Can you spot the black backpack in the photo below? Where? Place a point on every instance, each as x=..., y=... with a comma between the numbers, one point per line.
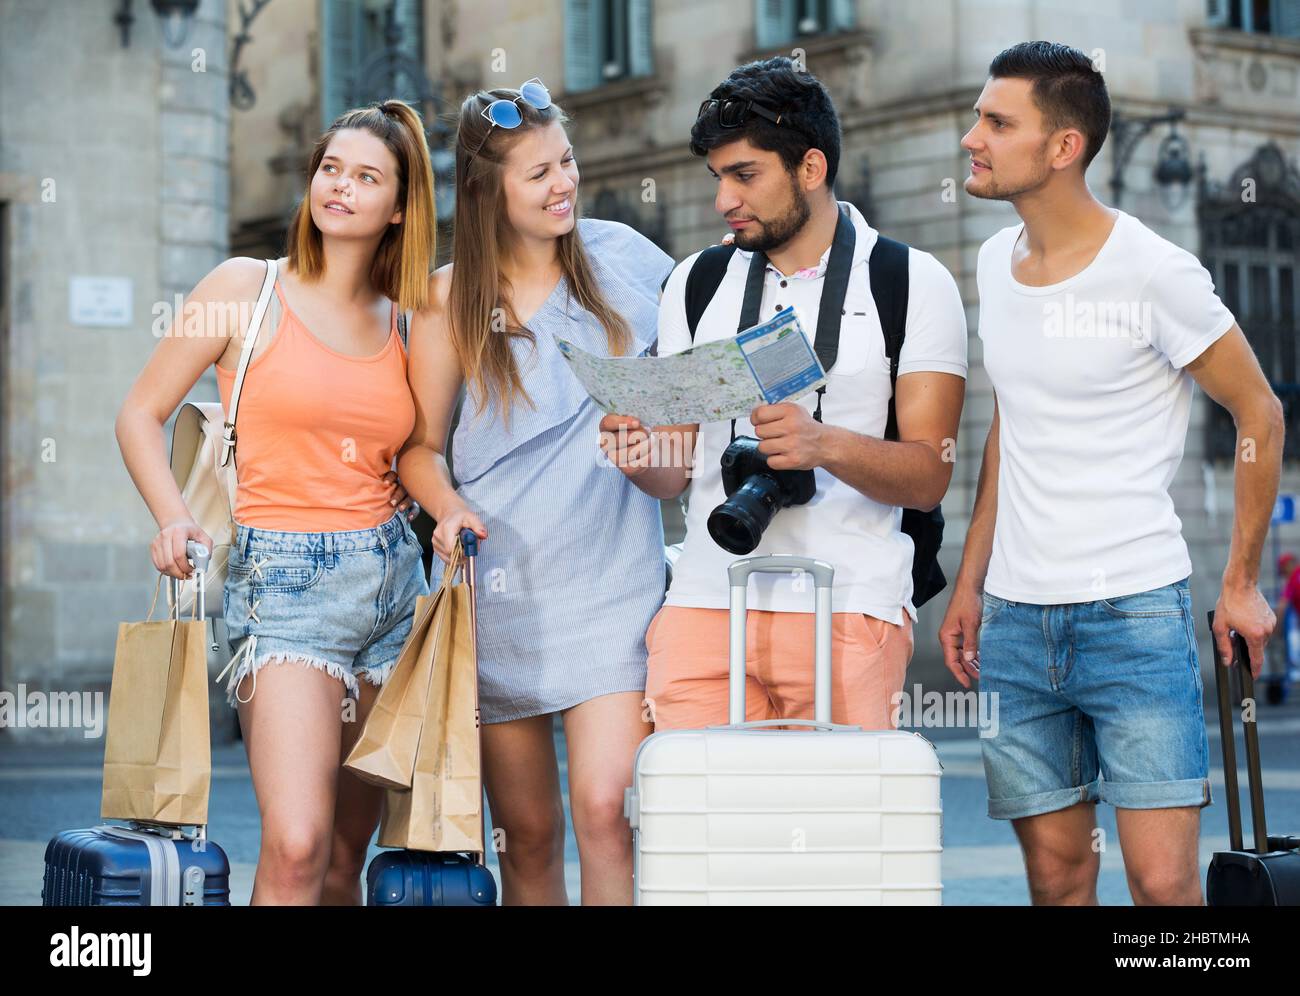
x=889, y=287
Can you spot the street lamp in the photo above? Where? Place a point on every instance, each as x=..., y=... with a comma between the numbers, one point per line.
x=176, y=17
x=1173, y=172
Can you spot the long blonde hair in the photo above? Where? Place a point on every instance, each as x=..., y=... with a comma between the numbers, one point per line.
x=482, y=230
x=400, y=270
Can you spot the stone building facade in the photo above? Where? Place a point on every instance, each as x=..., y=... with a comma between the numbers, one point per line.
x=158, y=177
x=114, y=197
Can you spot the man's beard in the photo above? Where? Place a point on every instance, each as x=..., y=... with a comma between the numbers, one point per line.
x=776, y=233
x=993, y=192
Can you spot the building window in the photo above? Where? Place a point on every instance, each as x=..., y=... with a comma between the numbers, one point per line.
x=1252, y=250
x=780, y=22
x=606, y=40
x=357, y=53
x=1262, y=17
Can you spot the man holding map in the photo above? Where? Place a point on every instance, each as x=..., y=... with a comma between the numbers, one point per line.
x=825, y=474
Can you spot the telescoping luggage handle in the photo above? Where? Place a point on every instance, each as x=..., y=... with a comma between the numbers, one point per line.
x=469, y=543
x=1241, y=660
x=200, y=556
x=782, y=563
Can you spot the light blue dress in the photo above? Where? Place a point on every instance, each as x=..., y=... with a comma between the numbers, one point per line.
x=572, y=570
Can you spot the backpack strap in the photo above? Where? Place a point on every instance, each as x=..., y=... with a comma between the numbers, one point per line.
x=245, y=355
x=703, y=282
x=887, y=268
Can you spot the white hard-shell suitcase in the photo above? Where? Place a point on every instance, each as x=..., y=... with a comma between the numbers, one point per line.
x=742, y=815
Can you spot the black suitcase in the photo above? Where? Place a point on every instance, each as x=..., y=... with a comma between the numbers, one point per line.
x=140, y=865
x=1269, y=873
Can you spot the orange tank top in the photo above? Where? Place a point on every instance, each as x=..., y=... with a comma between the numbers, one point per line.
x=317, y=431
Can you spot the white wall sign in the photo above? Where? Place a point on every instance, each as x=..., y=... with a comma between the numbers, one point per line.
x=102, y=301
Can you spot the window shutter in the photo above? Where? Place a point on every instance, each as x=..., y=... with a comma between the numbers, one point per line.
x=641, y=38
x=1217, y=13
x=582, y=62
x=774, y=22
x=844, y=14
x=1286, y=18
x=410, y=17
x=342, y=28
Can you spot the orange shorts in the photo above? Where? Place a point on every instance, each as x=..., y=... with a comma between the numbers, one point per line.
x=687, y=670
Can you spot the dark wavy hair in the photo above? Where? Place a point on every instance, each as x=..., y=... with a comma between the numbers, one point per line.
x=808, y=118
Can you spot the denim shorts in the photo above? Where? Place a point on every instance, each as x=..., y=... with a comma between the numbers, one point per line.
x=339, y=601
x=1096, y=700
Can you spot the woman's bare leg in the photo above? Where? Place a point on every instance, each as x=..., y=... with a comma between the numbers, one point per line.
x=603, y=734
x=522, y=778
x=291, y=730
x=356, y=814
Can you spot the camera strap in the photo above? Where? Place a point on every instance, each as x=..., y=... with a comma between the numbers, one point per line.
x=835, y=287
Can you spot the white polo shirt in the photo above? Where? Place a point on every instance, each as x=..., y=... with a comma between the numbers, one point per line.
x=860, y=537
x=1093, y=404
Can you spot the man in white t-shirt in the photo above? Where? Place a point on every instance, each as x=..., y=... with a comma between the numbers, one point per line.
x=1072, y=604
x=772, y=139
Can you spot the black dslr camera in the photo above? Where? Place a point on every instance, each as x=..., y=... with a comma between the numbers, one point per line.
x=755, y=493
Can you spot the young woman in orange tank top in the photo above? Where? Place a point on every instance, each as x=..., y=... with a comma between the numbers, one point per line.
x=325, y=569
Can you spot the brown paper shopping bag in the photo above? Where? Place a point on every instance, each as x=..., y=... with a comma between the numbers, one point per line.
x=443, y=808
x=384, y=753
x=157, y=752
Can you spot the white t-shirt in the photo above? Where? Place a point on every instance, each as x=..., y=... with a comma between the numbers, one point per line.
x=859, y=537
x=1093, y=404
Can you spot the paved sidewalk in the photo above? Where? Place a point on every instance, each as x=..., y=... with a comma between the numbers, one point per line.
x=49, y=788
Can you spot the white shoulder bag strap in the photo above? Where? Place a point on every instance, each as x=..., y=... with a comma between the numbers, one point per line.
x=245, y=355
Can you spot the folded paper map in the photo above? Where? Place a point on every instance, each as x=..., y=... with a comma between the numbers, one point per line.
x=766, y=364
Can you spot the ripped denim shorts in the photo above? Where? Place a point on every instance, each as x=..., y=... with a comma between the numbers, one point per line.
x=339, y=601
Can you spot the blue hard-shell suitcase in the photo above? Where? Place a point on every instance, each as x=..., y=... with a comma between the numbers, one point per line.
x=426, y=878
x=434, y=878
x=144, y=864
x=135, y=866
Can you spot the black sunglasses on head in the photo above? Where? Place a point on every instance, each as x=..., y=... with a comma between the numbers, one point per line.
x=732, y=113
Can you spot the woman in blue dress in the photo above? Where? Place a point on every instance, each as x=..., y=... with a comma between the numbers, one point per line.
x=571, y=568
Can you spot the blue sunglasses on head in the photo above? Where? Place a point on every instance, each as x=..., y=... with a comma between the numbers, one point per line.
x=505, y=113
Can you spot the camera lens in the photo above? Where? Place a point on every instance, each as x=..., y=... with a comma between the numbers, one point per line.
x=738, y=523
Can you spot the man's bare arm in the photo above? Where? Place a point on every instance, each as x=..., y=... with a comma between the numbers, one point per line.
x=1230, y=374
x=915, y=470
